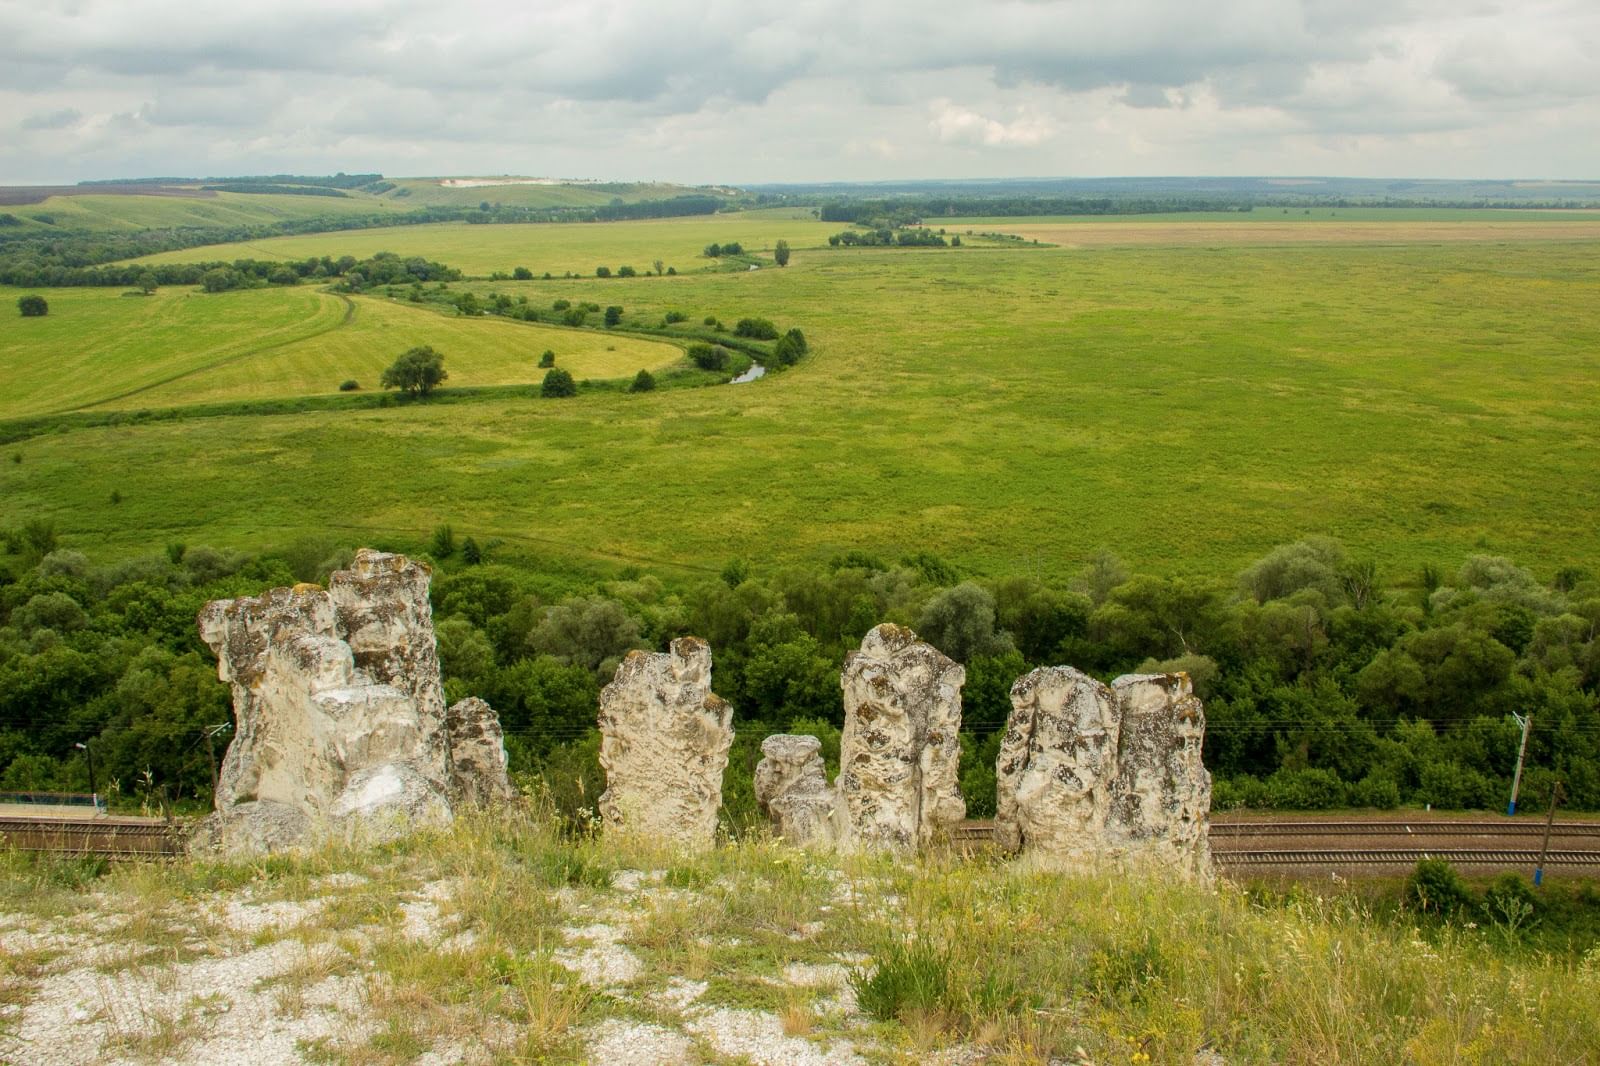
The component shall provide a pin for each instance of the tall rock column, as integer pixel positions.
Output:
(1058, 755)
(1161, 796)
(664, 740)
(901, 747)
(339, 712)
(1090, 774)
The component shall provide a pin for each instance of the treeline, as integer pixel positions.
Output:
(1324, 686)
(340, 180)
(913, 209)
(384, 268)
(277, 190)
(915, 237)
(33, 261)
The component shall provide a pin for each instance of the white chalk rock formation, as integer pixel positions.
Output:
(1056, 760)
(664, 740)
(1090, 774)
(1161, 796)
(477, 754)
(901, 748)
(339, 713)
(792, 789)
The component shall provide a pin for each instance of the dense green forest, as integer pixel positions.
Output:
(1324, 687)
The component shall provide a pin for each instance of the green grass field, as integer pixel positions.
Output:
(127, 214)
(555, 248)
(99, 349)
(1014, 410)
(431, 192)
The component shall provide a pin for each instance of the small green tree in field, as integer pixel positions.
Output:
(780, 253)
(602, 272)
(756, 328)
(558, 383)
(643, 381)
(708, 356)
(33, 306)
(547, 360)
(522, 274)
(146, 281)
(613, 316)
(419, 371)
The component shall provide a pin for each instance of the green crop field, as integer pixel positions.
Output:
(99, 349)
(470, 192)
(577, 247)
(119, 213)
(1012, 409)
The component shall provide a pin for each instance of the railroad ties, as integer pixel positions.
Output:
(1387, 843)
(103, 837)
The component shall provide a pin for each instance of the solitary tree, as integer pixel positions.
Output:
(558, 383)
(613, 316)
(602, 272)
(418, 371)
(659, 267)
(522, 274)
(643, 381)
(146, 281)
(547, 360)
(33, 307)
(780, 253)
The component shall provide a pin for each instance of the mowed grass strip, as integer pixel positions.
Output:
(97, 345)
(100, 349)
(477, 351)
(556, 248)
(128, 213)
(1011, 410)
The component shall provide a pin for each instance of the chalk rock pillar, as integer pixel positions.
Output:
(339, 713)
(901, 748)
(1057, 757)
(1090, 774)
(1161, 796)
(792, 789)
(664, 740)
(477, 754)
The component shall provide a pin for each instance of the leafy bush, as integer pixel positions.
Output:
(33, 306)
(522, 274)
(613, 316)
(602, 272)
(561, 305)
(558, 383)
(1311, 789)
(547, 360)
(626, 272)
(349, 385)
(756, 328)
(708, 356)
(1435, 888)
(643, 381)
(672, 317)
(444, 542)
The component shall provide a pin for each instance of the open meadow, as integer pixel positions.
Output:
(557, 248)
(1011, 408)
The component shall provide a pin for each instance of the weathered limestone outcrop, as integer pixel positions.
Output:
(664, 740)
(1090, 774)
(1161, 796)
(477, 754)
(792, 789)
(340, 716)
(901, 748)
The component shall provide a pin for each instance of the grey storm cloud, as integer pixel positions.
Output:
(678, 89)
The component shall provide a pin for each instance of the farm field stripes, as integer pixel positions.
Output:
(100, 350)
(555, 248)
(1172, 233)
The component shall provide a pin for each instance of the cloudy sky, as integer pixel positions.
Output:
(800, 90)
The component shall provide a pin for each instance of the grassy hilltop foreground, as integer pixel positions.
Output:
(500, 942)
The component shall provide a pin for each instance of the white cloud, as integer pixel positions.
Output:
(723, 90)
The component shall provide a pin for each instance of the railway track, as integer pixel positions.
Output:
(1314, 846)
(109, 838)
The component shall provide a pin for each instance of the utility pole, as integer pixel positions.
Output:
(211, 753)
(94, 795)
(1544, 849)
(1516, 781)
